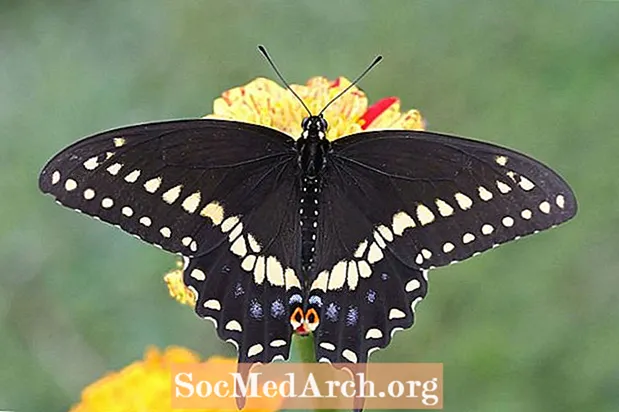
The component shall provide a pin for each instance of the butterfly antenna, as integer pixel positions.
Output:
(264, 52)
(376, 60)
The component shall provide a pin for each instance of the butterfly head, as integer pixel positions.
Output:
(315, 127)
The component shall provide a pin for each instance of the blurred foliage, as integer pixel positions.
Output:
(533, 326)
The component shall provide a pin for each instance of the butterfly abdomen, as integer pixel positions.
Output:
(308, 219)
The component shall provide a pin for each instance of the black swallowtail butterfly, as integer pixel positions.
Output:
(284, 236)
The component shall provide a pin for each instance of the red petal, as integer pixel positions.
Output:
(375, 110)
(335, 83)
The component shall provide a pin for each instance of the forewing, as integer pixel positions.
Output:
(398, 203)
(206, 189)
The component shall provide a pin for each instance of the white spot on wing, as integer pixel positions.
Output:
(484, 194)
(503, 187)
(107, 203)
(127, 211)
(444, 208)
(338, 275)
(448, 247)
(321, 281)
(119, 141)
(239, 247)
(212, 304)
(468, 238)
(165, 232)
(507, 221)
(361, 249)
(89, 194)
(70, 185)
(291, 279)
(114, 169)
(375, 253)
(213, 211)
(501, 160)
(191, 202)
(401, 222)
(198, 275)
(373, 334)
(365, 271)
(327, 346)
(544, 207)
(145, 220)
(259, 270)
(526, 184)
(172, 194)
(229, 223)
(253, 243)
(92, 163)
(487, 229)
(526, 214)
(349, 355)
(275, 271)
(277, 343)
(55, 177)
(133, 176)
(560, 201)
(463, 201)
(352, 276)
(234, 325)
(152, 185)
(424, 214)
(396, 313)
(412, 285)
(385, 233)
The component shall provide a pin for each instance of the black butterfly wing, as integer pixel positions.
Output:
(397, 203)
(203, 189)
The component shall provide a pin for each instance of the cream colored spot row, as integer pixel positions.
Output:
(544, 207)
(487, 229)
(186, 241)
(385, 233)
(507, 221)
(275, 271)
(253, 243)
(327, 346)
(291, 279)
(229, 223)
(277, 343)
(146, 221)
(127, 211)
(526, 214)
(448, 247)
(239, 247)
(259, 270)
(468, 238)
(119, 141)
(375, 253)
(321, 281)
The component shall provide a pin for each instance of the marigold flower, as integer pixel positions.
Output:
(264, 102)
(146, 385)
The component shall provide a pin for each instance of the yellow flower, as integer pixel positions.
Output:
(147, 385)
(264, 102)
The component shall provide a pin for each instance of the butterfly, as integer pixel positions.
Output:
(284, 236)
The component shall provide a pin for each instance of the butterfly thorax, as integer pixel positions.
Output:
(312, 148)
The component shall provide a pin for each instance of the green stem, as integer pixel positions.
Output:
(303, 352)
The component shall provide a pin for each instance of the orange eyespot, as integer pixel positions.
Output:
(296, 319)
(312, 319)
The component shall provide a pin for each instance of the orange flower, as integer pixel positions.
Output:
(146, 385)
(264, 102)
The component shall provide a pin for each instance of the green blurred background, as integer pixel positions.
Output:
(532, 326)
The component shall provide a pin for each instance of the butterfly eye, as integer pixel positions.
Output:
(323, 123)
(304, 123)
